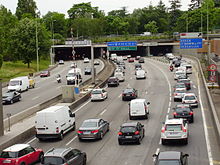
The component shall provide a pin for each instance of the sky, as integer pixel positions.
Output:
(62, 6)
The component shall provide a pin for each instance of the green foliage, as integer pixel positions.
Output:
(26, 8)
(1, 60)
(151, 27)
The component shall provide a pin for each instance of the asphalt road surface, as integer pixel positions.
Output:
(45, 88)
(157, 88)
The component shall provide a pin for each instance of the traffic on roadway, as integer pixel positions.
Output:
(150, 126)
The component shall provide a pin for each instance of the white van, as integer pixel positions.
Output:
(179, 73)
(19, 84)
(120, 76)
(140, 74)
(54, 122)
(74, 76)
(138, 108)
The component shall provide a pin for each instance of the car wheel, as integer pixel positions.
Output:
(139, 141)
(84, 160)
(11, 102)
(120, 142)
(191, 120)
(163, 141)
(61, 136)
(146, 116)
(186, 141)
(74, 127)
(101, 136)
(23, 163)
(41, 157)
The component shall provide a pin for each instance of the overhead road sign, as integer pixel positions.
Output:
(79, 43)
(127, 43)
(150, 44)
(191, 35)
(122, 46)
(190, 43)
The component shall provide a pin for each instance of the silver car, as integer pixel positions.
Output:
(93, 129)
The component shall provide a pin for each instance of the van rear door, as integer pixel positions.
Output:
(138, 109)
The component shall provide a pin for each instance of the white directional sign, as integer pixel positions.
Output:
(191, 35)
(79, 43)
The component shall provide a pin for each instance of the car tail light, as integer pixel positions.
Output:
(137, 133)
(184, 129)
(79, 132)
(174, 113)
(175, 94)
(65, 164)
(123, 94)
(163, 130)
(191, 113)
(57, 130)
(95, 131)
(133, 94)
(119, 133)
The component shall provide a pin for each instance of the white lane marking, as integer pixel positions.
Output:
(71, 140)
(194, 86)
(169, 84)
(34, 98)
(205, 126)
(157, 151)
(146, 92)
(131, 78)
(58, 87)
(119, 96)
(81, 106)
(32, 140)
(103, 112)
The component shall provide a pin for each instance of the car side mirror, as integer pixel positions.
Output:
(72, 115)
(154, 155)
(148, 103)
(186, 155)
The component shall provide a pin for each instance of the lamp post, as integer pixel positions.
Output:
(1, 112)
(37, 47)
(209, 44)
(52, 38)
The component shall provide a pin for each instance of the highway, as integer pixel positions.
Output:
(157, 89)
(45, 88)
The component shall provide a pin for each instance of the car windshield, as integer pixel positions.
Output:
(9, 155)
(128, 91)
(128, 129)
(13, 83)
(173, 127)
(96, 92)
(7, 95)
(89, 124)
(111, 79)
(53, 160)
(44, 72)
(190, 98)
(183, 109)
(71, 74)
(179, 91)
(168, 162)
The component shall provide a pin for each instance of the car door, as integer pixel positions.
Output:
(16, 96)
(104, 93)
(102, 126)
(31, 155)
(74, 157)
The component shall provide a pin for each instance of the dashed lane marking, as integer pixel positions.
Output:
(71, 140)
(34, 98)
(103, 112)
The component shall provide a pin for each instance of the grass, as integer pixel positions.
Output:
(15, 69)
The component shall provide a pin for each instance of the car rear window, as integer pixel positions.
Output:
(190, 98)
(128, 91)
(169, 162)
(111, 79)
(182, 109)
(89, 124)
(53, 160)
(173, 127)
(96, 92)
(9, 154)
(128, 129)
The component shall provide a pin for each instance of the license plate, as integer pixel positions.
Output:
(128, 137)
(86, 132)
(174, 133)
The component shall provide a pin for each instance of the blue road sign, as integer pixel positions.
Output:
(127, 43)
(190, 43)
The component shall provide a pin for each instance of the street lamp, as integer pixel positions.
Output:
(52, 37)
(37, 47)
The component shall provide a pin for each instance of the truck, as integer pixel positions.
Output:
(54, 122)
(74, 76)
(19, 84)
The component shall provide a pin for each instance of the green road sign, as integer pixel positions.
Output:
(121, 48)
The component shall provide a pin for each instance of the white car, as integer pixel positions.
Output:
(61, 62)
(140, 74)
(179, 93)
(73, 65)
(191, 99)
(96, 62)
(174, 130)
(86, 60)
(99, 94)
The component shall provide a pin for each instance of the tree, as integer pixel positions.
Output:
(195, 4)
(119, 13)
(151, 27)
(26, 7)
(23, 40)
(174, 13)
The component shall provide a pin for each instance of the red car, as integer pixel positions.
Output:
(21, 154)
(45, 73)
(131, 60)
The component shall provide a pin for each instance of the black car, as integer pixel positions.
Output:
(113, 81)
(183, 111)
(186, 82)
(62, 156)
(138, 66)
(141, 60)
(131, 132)
(10, 97)
(177, 63)
(129, 94)
(170, 157)
(88, 71)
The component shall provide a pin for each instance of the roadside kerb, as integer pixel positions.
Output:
(214, 113)
(7, 141)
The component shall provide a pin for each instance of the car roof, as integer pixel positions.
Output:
(138, 100)
(56, 151)
(16, 147)
(174, 121)
(129, 124)
(190, 94)
(169, 155)
(98, 89)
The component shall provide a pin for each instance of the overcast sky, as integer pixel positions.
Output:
(62, 6)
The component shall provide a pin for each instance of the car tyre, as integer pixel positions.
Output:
(101, 136)
(84, 160)
(191, 120)
(146, 116)
(23, 163)
(41, 157)
(61, 136)
(139, 141)
(131, 118)
(120, 142)
(40, 139)
(163, 141)
(186, 141)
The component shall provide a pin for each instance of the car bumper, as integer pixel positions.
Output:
(128, 98)
(111, 85)
(88, 136)
(128, 139)
(192, 104)
(47, 136)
